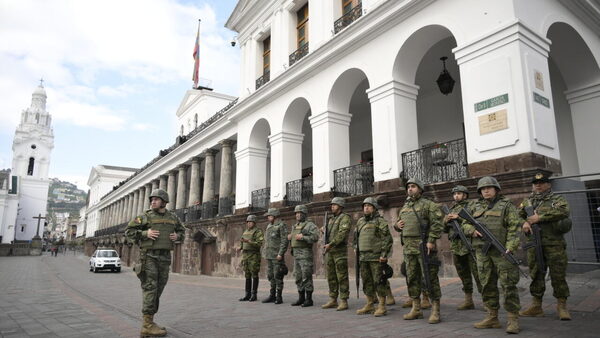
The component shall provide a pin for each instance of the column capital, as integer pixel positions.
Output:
(250, 151)
(393, 87)
(172, 172)
(196, 159)
(584, 93)
(227, 143)
(286, 137)
(209, 152)
(330, 117)
(182, 167)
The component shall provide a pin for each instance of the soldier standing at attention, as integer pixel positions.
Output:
(154, 231)
(304, 234)
(275, 248)
(552, 215)
(463, 261)
(500, 216)
(374, 247)
(338, 228)
(415, 211)
(252, 240)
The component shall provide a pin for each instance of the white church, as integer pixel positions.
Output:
(24, 190)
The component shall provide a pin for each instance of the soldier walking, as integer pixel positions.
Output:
(500, 216)
(373, 241)
(416, 213)
(304, 234)
(336, 249)
(252, 240)
(461, 256)
(275, 248)
(552, 215)
(154, 231)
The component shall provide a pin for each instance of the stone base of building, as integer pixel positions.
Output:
(387, 185)
(514, 163)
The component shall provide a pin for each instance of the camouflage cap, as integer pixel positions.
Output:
(272, 212)
(160, 194)
(301, 208)
(339, 201)
(487, 181)
(251, 218)
(460, 188)
(416, 181)
(540, 177)
(372, 201)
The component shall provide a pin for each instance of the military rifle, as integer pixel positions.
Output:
(357, 264)
(491, 240)
(458, 232)
(424, 227)
(326, 237)
(536, 242)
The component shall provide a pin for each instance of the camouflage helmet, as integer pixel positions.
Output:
(160, 194)
(372, 201)
(339, 201)
(487, 181)
(460, 188)
(251, 218)
(301, 208)
(272, 212)
(416, 181)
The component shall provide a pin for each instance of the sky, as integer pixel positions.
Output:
(115, 72)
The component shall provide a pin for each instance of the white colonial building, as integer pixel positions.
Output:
(347, 95)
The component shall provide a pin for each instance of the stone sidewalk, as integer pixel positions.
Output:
(58, 297)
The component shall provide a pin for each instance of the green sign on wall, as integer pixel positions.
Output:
(541, 100)
(489, 103)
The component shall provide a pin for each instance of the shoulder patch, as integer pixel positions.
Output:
(138, 220)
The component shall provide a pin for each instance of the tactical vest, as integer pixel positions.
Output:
(165, 224)
(412, 227)
(333, 227)
(369, 235)
(297, 229)
(272, 234)
(552, 232)
(493, 219)
(249, 235)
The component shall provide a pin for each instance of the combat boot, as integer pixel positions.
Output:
(150, 330)
(343, 305)
(434, 317)
(381, 310)
(407, 304)
(271, 297)
(368, 308)
(300, 300)
(534, 310)
(512, 325)
(425, 304)
(415, 312)
(308, 301)
(389, 298)
(330, 304)
(490, 321)
(278, 299)
(154, 323)
(561, 308)
(248, 287)
(254, 289)
(468, 303)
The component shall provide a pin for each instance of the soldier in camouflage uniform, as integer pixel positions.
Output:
(275, 248)
(338, 228)
(463, 261)
(373, 241)
(552, 215)
(304, 234)
(419, 209)
(252, 240)
(500, 216)
(154, 231)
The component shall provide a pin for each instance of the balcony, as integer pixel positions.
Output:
(263, 79)
(353, 180)
(111, 230)
(226, 206)
(261, 198)
(298, 54)
(299, 191)
(210, 209)
(437, 162)
(347, 19)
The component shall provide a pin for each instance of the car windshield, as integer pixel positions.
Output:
(107, 254)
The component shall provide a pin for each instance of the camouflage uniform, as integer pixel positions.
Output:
(251, 251)
(374, 241)
(302, 250)
(276, 245)
(338, 229)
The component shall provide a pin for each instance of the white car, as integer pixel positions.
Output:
(105, 259)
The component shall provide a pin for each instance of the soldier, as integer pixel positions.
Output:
(252, 240)
(551, 214)
(338, 228)
(275, 248)
(304, 234)
(463, 260)
(374, 247)
(418, 210)
(500, 216)
(154, 231)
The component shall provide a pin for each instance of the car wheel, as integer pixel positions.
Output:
(91, 268)
(95, 270)
(118, 270)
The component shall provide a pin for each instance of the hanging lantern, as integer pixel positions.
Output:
(445, 82)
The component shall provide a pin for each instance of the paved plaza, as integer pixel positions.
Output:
(58, 297)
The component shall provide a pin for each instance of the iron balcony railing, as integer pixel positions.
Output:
(353, 180)
(299, 191)
(261, 198)
(347, 18)
(439, 162)
(299, 54)
(263, 79)
(210, 209)
(226, 206)
(111, 230)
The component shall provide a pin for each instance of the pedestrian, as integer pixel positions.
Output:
(304, 234)
(373, 241)
(464, 262)
(252, 240)
(336, 259)
(551, 214)
(155, 231)
(500, 216)
(275, 248)
(417, 215)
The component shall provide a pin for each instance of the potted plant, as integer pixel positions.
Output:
(439, 152)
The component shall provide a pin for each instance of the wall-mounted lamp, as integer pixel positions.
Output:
(445, 82)
(233, 41)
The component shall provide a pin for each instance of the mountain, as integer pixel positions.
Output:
(64, 197)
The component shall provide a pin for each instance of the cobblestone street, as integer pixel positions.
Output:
(58, 297)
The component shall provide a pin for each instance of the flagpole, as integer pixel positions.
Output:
(195, 75)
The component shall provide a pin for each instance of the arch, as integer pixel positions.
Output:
(343, 89)
(295, 114)
(30, 167)
(260, 134)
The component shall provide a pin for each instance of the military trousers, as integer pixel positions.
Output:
(303, 271)
(251, 263)
(370, 273)
(274, 273)
(466, 268)
(492, 268)
(555, 257)
(337, 275)
(155, 266)
(415, 277)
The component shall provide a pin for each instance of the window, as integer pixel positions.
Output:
(30, 167)
(267, 55)
(302, 26)
(347, 5)
(196, 121)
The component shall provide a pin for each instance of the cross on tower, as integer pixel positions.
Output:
(41, 85)
(39, 218)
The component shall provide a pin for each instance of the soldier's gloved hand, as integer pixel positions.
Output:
(527, 228)
(173, 236)
(152, 234)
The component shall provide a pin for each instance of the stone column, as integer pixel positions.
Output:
(155, 184)
(163, 182)
(226, 181)
(181, 186)
(148, 191)
(125, 214)
(195, 182)
(120, 208)
(131, 213)
(136, 197)
(208, 193)
(171, 190)
(286, 162)
(141, 200)
(250, 174)
(111, 215)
